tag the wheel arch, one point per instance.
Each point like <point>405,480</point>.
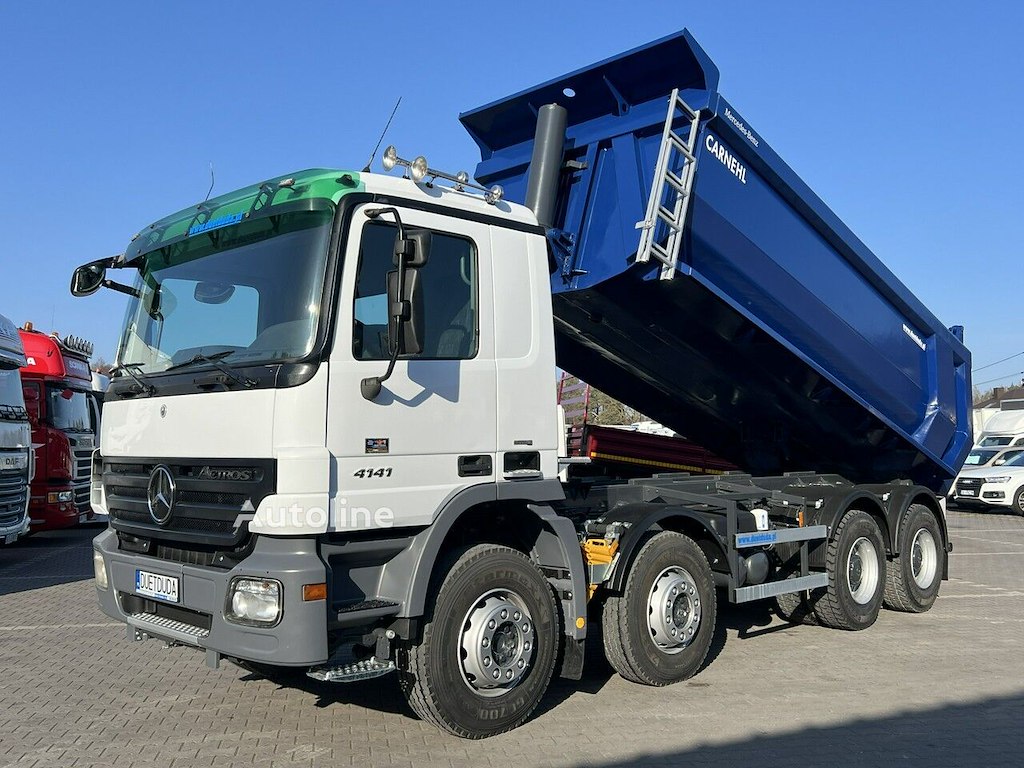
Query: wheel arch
<point>900,502</point>
<point>643,518</point>
<point>898,498</point>
<point>830,508</point>
<point>516,517</point>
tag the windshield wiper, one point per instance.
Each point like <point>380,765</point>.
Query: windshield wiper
<point>145,388</point>
<point>214,360</point>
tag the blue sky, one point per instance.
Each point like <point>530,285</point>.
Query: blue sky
<point>904,117</point>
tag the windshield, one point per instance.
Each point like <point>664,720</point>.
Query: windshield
<point>68,409</point>
<point>976,458</point>
<point>995,441</point>
<point>12,406</point>
<point>251,290</point>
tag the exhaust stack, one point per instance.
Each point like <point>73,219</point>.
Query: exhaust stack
<point>546,163</point>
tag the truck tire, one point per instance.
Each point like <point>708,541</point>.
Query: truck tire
<point>855,562</point>
<point>793,607</point>
<point>659,630</point>
<point>488,645</point>
<point>1018,502</point>
<point>913,577</point>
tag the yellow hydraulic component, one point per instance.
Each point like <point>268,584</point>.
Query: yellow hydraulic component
<point>598,552</point>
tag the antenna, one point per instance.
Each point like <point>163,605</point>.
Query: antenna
<point>382,135</point>
<point>211,183</point>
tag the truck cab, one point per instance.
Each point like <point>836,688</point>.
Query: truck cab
<point>57,383</point>
<point>16,456</point>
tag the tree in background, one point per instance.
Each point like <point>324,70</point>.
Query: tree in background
<point>602,409</point>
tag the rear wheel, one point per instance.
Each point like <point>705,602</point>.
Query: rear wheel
<point>913,578</point>
<point>659,630</point>
<point>855,562</point>
<point>488,647</point>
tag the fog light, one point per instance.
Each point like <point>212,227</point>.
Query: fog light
<point>100,570</point>
<point>58,497</point>
<point>254,601</point>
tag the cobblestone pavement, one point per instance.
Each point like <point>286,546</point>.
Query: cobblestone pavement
<point>942,688</point>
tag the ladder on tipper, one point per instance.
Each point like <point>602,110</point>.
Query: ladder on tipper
<point>670,191</point>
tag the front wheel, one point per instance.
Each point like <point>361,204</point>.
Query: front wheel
<point>659,630</point>
<point>912,582</point>
<point>1018,501</point>
<point>855,562</point>
<point>488,646</point>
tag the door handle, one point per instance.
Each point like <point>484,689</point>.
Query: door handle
<point>474,466</point>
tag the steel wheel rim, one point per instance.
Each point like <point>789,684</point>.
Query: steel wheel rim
<point>862,570</point>
<point>924,558</point>
<point>673,610</point>
<point>497,644</point>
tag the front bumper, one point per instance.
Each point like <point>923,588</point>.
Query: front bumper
<point>49,516</point>
<point>298,639</point>
<point>987,496</point>
<point>17,531</point>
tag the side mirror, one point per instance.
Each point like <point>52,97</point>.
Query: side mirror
<point>88,278</point>
<point>998,462</point>
<point>405,313</point>
<point>415,248</point>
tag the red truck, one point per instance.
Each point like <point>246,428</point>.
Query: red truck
<point>62,409</point>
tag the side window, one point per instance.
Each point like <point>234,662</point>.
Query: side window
<point>449,286</point>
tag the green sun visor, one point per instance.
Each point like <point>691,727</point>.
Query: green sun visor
<point>307,190</point>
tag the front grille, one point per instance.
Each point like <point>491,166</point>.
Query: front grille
<point>83,466</point>
<point>178,523</point>
<point>206,507</point>
<point>185,497</point>
<point>13,495</point>
<point>187,556</point>
<point>969,483</point>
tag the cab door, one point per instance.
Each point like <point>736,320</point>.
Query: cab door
<point>433,428</point>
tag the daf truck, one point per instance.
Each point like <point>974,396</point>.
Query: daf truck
<point>16,456</point>
<point>330,441</point>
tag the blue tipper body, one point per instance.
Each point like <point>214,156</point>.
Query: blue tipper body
<point>782,342</point>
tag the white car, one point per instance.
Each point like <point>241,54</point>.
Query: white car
<point>1000,488</point>
<point>990,457</point>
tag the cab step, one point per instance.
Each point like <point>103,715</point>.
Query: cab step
<point>353,671</point>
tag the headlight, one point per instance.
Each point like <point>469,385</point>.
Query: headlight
<point>1000,479</point>
<point>100,570</point>
<point>254,601</point>
<point>56,497</point>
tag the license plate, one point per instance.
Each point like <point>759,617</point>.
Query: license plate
<point>968,493</point>
<point>14,462</point>
<point>156,586</point>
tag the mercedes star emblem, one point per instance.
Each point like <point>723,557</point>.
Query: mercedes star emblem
<point>160,494</point>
